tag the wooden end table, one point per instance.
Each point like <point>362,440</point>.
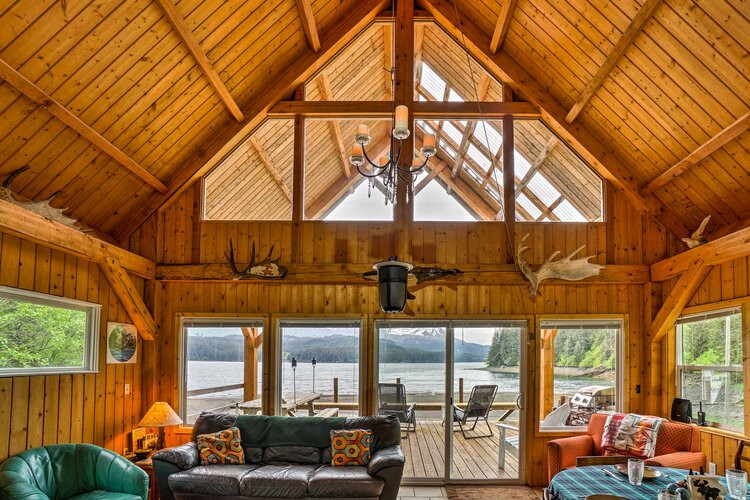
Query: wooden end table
<point>148,467</point>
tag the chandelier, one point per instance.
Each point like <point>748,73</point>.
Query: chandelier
<point>387,170</point>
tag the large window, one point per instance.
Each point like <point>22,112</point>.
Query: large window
<point>709,365</point>
<point>223,366</point>
<point>581,370</point>
<point>41,333</point>
<point>319,367</point>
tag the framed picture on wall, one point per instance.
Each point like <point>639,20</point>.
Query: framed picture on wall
<point>122,343</point>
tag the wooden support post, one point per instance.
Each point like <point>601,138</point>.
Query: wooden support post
<point>509,187</point>
<point>460,389</point>
<point>253,341</point>
<point>335,389</point>
<point>298,180</point>
<point>129,297</point>
<point>745,309</point>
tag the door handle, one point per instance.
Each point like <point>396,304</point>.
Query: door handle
<point>519,402</point>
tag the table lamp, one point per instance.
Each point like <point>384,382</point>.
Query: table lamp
<point>160,415</point>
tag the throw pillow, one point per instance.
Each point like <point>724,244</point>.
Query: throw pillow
<point>223,447</point>
<point>350,447</point>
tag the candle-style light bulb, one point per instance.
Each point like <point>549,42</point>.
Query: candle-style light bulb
<point>401,122</point>
<point>363,134</point>
<point>357,156</point>
<point>428,145</point>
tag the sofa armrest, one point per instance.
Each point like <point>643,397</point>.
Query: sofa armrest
<point>184,456</point>
<point>387,457</point>
<point>562,453</point>
<point>682,460</point>
<point>18,486</point>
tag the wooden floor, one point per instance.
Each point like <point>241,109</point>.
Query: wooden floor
<point>472,458</point>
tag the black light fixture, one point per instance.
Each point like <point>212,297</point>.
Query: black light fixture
<point>392,278</point>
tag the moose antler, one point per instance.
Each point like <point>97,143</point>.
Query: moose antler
<point>267,268</point>
<point>567,268</point>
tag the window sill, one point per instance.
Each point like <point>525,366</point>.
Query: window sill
<point>561,431</point>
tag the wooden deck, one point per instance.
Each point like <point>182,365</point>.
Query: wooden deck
<point>472,458</point>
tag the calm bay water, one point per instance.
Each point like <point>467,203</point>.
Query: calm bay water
<point>420,379</point>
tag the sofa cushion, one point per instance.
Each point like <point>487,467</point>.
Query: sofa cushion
<point>209,422</point>
<point>253,454</point>
<point>344,482</point>
<point>673,437</point>
<point>264,431</point>
<point>351,447</point>
<point>386,430</point>
<point>104,495</point>
<point>277,481</point>
<point>223,447</point>
<point>291,455</point>
<point>210,479</point>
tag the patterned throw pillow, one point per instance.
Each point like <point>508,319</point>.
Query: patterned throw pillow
<point>351,447</point>
<point>222,447</point>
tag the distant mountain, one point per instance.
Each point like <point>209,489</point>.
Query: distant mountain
<point>340,349</point>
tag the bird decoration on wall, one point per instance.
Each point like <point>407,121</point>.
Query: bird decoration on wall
<point>697,239</point>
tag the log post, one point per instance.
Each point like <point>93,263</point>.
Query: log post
<point>461,390</point>
<point>335,389</point>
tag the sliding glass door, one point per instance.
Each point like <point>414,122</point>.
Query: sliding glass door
<point>473,369</point>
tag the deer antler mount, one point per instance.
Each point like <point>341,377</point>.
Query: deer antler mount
<point>567,268</point>
<point>267,268</point>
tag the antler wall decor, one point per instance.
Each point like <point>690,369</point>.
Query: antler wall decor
<point>267,268</point>
<point>697,238</point>
<point>567,268</point>
<point>42,208</point>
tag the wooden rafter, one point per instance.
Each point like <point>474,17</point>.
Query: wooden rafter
<point>181,26</point>
<point>270,167</point>
<point>731,132</point>
<point>635,26</point>
<point>335,126</point>
<point>308,24</point>
<point>30,226</point>
<point>482,89</point>
<point>724,249</point>
<point>129,297</point>
<point>502,25</point>
<point>548,212</point>
<point>435,166</point>
<point>418,44</point>
<point>30,90</point>
<point>686,286</point>
<point>224,141</point>
<point>537,165</point>
<point>466,110</point>
<point>591,149</point>
<point>388,60</point>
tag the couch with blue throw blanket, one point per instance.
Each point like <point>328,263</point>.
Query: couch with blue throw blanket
<point>285,457</point>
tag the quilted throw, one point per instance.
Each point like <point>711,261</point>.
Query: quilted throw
<point>223,447</point>
<point>350,447</point>
<point>630,434</point>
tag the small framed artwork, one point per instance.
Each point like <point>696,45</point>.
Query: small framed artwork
<point>122,343</point>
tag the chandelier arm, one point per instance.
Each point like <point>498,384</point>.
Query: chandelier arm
<point>415,169</point>
<point>370,175</point>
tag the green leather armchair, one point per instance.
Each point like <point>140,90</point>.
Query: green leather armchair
<point>71,471</point>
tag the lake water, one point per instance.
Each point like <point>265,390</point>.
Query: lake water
<point>420,379</point>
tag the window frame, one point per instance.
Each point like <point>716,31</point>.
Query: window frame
<point>725,313</point>
<point>212,319</point>
<point>621,372</point>
<point>91,334</point>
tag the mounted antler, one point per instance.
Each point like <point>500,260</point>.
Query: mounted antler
<point>267,268</point>
<point>567,268</point>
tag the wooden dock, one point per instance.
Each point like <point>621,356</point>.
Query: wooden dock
<point>472,458</point>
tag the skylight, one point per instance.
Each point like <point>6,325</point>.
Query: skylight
<point>543,189</point>
<point>488,135</point>
<point>432,83</point>
<point>452,132</point>
<point>479,157</point>
<point>567,212</point>
<point>527,205</point>
<point>454,97</point>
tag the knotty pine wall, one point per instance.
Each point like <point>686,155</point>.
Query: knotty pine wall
<point>92,408</point>
<point>177,236</point>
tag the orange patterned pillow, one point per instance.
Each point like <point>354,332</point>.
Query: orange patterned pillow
<point>351,447</point>
<point>222,447</point>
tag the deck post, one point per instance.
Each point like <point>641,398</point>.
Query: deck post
<point>461,390</point>
<point>335,389</point>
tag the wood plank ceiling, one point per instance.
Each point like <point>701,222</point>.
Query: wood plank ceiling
<point>124,71</point>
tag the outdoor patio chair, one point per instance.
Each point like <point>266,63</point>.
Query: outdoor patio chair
<point>392,401</point>
<point>478,407</point>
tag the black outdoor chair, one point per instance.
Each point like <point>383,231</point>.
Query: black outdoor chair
<point>392,401</point>
<point>478,407</point>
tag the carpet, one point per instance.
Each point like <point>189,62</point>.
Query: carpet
<point>487,492</point>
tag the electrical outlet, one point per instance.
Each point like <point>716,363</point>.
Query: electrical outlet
<point>712,468</point>
<point>127,389</point>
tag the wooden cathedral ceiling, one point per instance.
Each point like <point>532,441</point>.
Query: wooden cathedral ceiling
<point>112,102</point>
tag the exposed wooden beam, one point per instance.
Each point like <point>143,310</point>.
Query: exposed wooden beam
<point>404,56</point>
<point>731,132</point>
<point>298,181</point>
<point>335,126</point>
<point>724,249</point>
<point>729,229</point>
<point>463,148</point>
<point>308,24</point>
<point>30,90</point>
<point>129,297</point>
<point>270,167</point>
<point>509,188</point>
<point>635,26</point>
<point>225,140</point>
<point>547,212</point>
<point>436,166</point>
<point>181,26</point>
<point>418,44</point>
<point>388,60</point>
<point>538,162</point>
<point>502,25</point>
<point>672,307</point>
<point>467,110</point>
<point>30,226</point>
<point>344,274</point>
<point>420,16</point>
<point>591,148</point>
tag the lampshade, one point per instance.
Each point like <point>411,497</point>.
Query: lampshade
<point>160,415</point>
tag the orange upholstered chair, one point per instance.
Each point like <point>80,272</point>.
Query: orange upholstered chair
<point>677,445</point>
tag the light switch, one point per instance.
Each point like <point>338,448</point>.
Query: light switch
<point>127,389</point>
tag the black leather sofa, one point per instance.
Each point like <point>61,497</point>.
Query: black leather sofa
<point>286,457</point>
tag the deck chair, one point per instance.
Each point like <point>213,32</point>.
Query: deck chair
<point>392,401</point>
<point>478,408</point>
<point>740,457</point>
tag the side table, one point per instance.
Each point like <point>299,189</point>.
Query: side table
<point>148,467</point>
